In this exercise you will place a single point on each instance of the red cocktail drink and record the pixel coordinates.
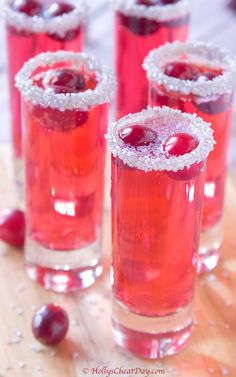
(140, 27)
(33, 27)
(158, 171)
(199, 78)
(65, 103)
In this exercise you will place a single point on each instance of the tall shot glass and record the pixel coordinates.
(200, 78)
(158, 171)
(65, 99)
(141, 26)
(33, 27)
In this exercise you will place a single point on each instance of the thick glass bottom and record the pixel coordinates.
(152, 337)
(210, 248)
(63, 271)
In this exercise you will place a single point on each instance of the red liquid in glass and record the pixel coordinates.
(216, 110)
(135, 38)
(64, 154)
(22, 45)
(154, 258)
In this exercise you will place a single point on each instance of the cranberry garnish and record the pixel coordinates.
(137, 136)
(191, 72)
(139, 26)
(64, 81)
(179, 70)
(152, 26)
(57, 9)
(29, 7)
(179, 145)
(12, 227)
(50, 324)
(67, 81)
(160, 99)
(53, 119)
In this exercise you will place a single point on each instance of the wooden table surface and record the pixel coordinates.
(90, 344)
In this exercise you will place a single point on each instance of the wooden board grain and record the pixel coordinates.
(90, 344)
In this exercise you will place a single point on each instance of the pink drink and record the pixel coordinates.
(65, 111)
(158, 171)
(139, 29)
(55, 26)
(197, 78)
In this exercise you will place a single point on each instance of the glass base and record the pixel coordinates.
(63, 271)
(62, 281)
(209, 250)
(150, 337)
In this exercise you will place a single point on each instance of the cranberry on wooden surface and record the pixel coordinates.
(12, 227)
(50, 324)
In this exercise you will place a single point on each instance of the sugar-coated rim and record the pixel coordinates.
(59, 25)
(222, 84)
(69, 101)
(171, 121)
(154, 12)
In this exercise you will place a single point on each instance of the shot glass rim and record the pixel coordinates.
(69, 101)
(222, 84)
(140, 157)
(154, 12)
(58, 25)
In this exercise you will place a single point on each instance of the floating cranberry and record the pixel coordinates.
(50, 324)
(29, 7)
(57, 9)
(191, 72)
(178, 70)
(67, 81)
(139, 26)
(81, 118)
(64, 81)
(137, 136)
(55, 120)
(159, 99)
(12, 227)
(179, 145)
